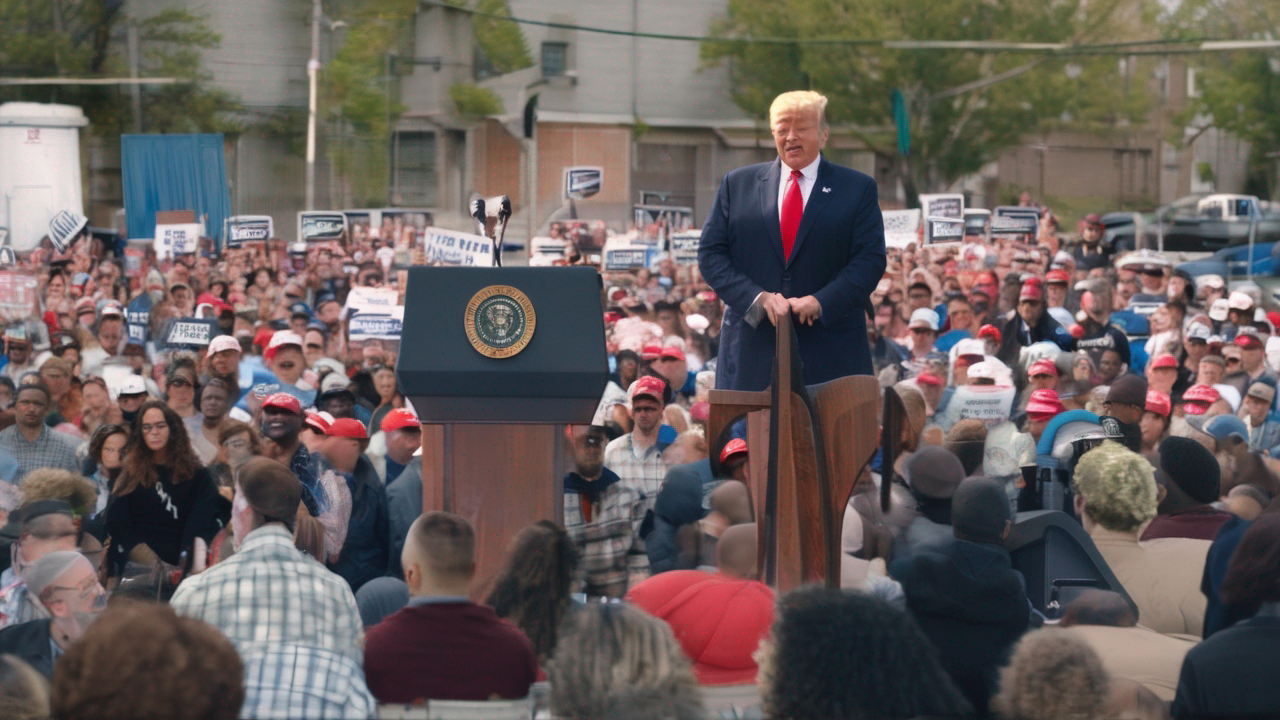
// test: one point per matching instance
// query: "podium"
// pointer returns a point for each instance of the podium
(496, 361)
(811, 447)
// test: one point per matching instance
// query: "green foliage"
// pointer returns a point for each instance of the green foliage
(83, 39)
(503, 42)
(950, 136)
(474, 101)
(1239, 91)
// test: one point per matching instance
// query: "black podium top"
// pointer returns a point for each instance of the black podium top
(503, 345)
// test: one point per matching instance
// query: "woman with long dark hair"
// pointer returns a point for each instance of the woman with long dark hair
(164, 499)
(533, 588)
(106, 458)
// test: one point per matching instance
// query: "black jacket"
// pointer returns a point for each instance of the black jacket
(31, 642)
(1012, 339)
(365, 553)
(973, 605)
(166, 517)
(679, 503)
(1232, 673)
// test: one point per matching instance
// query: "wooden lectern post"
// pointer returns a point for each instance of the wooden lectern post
(496, 362)
(809, 446)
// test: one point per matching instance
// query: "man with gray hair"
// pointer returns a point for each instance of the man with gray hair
(1115, 496)
(66, 588)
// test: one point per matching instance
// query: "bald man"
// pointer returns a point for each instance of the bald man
(736, 552)
(66, 586)
(442, 646)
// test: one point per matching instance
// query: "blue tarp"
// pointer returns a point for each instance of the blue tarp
(174, 172)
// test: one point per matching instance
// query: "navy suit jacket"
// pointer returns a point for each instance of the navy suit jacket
(838, 257)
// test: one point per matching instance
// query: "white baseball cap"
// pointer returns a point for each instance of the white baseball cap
(1239, 301)
(132, 385)
(221, 343)
(1198, 331)
(924, 318)
(1212, 281)
(971, 346)
(1218, 310)
(983, 370)
(284, 337)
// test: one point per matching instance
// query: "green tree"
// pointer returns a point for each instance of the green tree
(1239, 92)
(52, 38)
(952, 133)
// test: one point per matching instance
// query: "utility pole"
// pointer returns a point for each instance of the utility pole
(136, 89)
(313, 73)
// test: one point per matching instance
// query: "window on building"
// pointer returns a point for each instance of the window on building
(414, 179)
(555, 59)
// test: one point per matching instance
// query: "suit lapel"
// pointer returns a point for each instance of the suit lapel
(769, 203)
(817, 200)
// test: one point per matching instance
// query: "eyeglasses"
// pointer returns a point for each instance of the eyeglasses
(85, 588)
(154, 428)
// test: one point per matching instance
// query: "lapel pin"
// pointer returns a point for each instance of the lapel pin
(826, 189)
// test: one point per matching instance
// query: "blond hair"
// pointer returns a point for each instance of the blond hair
(1053, 673)
(799, 101)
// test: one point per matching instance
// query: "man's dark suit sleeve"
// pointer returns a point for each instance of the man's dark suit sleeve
(715, 262)
(850, 289)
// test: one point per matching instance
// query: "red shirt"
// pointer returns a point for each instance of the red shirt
(447, 651)
(1198, 524)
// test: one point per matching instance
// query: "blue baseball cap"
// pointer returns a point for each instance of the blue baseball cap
(1220, 427)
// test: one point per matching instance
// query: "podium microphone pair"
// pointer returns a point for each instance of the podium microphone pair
(491, 220)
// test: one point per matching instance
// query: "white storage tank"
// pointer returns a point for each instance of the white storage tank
(39, 168)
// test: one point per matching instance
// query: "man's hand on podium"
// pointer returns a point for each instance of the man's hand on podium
(775, 306)
(807, 309)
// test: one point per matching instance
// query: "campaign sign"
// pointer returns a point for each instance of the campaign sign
(582, 182)
(684, 247)
(190, 332)
(368, 326)
(179, 239)
(378, 301)
(988, 403)
(1014, 220)
(625, 259)
(944, 230)
(138, 317)
(321, 226)
(901, 227)
(446, 247)
(17, 294)
(242, 229)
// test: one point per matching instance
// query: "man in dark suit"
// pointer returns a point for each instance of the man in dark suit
(66, 586)
(798, 235)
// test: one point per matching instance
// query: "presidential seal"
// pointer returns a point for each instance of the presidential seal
(499, 321)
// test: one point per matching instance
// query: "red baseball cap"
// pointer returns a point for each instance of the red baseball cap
(283, 401)
(1197, 399)
(1031, 291)
(928, 378)
(651, 387)
(400, 418)
(736, 446)
(1164, 361)
(1044, 403)
(1058, 276)
(699, 412)
(1093, 219)
(989, 331)
(319, 421)
(1043, 366)
(651, 352)
(263, 336)
(1159, 403)
(718, 621)
(672, 352)
(347, 428)
(1248, 340)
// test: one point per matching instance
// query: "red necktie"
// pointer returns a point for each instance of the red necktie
(792, 209)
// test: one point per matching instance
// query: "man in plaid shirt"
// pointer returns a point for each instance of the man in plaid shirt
(603, 517)
(291, 619)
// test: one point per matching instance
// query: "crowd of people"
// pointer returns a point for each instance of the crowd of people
(235, 527)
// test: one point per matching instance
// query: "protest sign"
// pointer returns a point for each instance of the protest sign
(1009, 220)
(901, 227)
(17, 294)
(133, 259)
(321, 226)
(242, 229)
(138, 317)
(190, 332)
(370, 326)
(684, 247)
(177, 239)
(582, 181)
(446, 247)
(988, 403)
(624, 259)
(944, 218)
(377, 301)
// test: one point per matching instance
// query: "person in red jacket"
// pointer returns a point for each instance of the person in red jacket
(443, 646)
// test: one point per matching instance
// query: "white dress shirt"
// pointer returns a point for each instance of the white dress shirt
(808, 177)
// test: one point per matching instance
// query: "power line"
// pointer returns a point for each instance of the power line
(1203, 45)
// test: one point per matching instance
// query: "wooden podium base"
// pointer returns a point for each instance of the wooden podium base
(500, 477)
